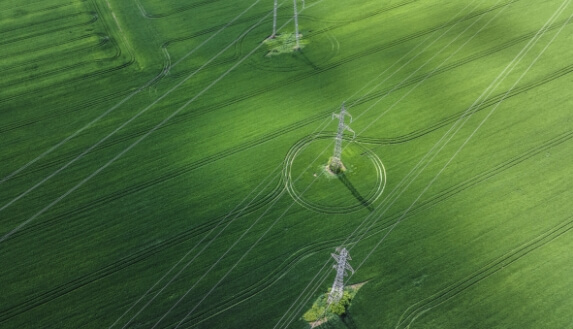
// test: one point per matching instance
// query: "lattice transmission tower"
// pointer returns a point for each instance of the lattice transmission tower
(335, 165)
(342, 265)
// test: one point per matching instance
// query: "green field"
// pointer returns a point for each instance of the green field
(159, 169)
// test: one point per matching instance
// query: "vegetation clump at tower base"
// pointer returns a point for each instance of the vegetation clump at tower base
(322, 312)
(335, 167)
(284, 43)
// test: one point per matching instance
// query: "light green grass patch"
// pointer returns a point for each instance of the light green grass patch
(322, 311)
(284, 43)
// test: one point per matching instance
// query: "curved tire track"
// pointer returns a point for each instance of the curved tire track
(270, 279)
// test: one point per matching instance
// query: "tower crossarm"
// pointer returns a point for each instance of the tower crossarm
(348, 267)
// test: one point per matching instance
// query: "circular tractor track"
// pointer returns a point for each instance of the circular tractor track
(298, 197)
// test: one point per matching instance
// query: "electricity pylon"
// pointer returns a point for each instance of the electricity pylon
(335, 164)
(297, 47)
(342, 265)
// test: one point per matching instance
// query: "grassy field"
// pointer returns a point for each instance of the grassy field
(159, 170)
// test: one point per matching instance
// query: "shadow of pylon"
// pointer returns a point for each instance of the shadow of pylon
(342, 177)
(348, 321)
(307, 60)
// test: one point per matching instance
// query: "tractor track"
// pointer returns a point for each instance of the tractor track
(76, 79)
(78, 106)
(93, 18)
(124, 262)
(261, 285)
(477, 179)
(153, 249)
(184, 169)
(307, 251)
(494, 266)
(302, 76)
(35, 23)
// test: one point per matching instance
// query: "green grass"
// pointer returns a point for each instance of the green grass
(486, 246)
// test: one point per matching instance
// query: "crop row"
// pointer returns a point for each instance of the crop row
(80, 77)
(45, 67)
(83, 42)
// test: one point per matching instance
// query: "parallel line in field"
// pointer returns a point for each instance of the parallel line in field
(261, 285)
(458, 188)
(122, 263)
(518, 58)
(484, 272)
(368, 140)
(149, 251)
(481, 177)
(41, 22)
(56, 71)
(96, 14)
(455, 128)
(93, 15)
(102, 41)
(84, 104)
(365, 99)
(166, 44)
(184, 169)
(307, 75)
(79, 78)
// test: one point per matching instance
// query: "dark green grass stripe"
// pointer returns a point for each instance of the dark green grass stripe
(82, 77)
(56, 71)
(93, 18)
(35, 22)
(55, 45)
(62, 57)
